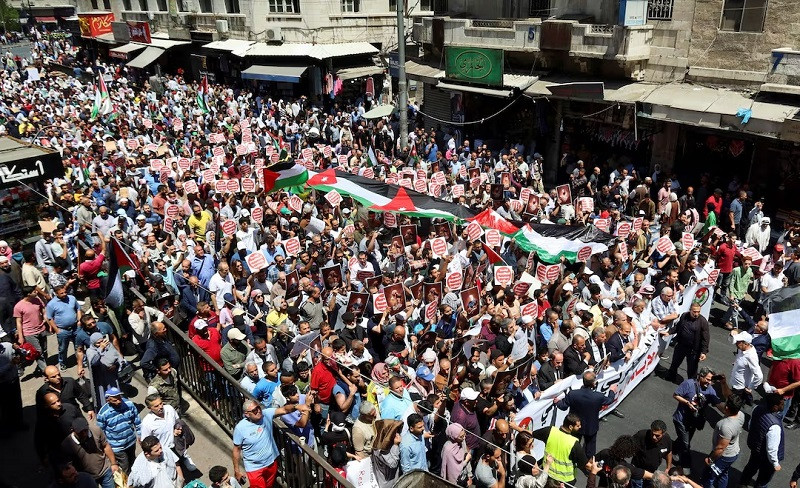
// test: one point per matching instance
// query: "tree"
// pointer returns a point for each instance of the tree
(9, 17)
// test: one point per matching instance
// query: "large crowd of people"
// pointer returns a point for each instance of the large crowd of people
(386, 386)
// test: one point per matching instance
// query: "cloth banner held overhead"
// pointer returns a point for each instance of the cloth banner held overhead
(543, 413)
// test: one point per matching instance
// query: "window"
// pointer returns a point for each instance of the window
(143, 5)
(393, 5)
(284, 6)
(539, 9)
(183, 6)
(206, 7)
(126, 4)
(425, 5)
(660, 9)
(232, 6)
(743, 15)
(350, 6)
(162, 5)
(107, 4)
(95, 5)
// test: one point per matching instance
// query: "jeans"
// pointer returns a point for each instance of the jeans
(106, 480)
(65, 336)
(39, 342)
(723, 465)
(683, 440)
(126, 457)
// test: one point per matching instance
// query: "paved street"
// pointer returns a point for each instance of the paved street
(22, 49)
(20, 467)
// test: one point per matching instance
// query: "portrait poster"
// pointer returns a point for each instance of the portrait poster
(471, 301)
(292, 284)
(357, 303)
(395, 298)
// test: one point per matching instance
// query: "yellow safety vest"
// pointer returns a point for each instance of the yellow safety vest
(559, 445)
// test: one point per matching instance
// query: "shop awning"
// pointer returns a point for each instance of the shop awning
(230, 45)
(286, 74)
(358, 72)
(146, 58)
(379, 111)
(127, 48)
(46, 20)
(301, 49)
(106, 38)
(502, 93)
(423, 72)
(166, 43)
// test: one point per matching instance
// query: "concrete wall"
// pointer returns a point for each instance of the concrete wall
(669, 49)
(727, 53)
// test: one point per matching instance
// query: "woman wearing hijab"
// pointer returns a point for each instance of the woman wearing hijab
(456, 456)
(104, 364)
(378, 388)
(386, 452)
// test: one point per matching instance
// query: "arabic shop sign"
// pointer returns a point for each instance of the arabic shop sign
(30, 170)
(95, 24)
(475, 65)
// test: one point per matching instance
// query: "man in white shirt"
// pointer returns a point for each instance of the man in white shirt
(746, 373)
(155, 467)
(361, 265)
(774, 279)
(220, 285)
(160, 422)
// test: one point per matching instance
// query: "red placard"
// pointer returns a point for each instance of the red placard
(307, 153)
(334, 198)
(687, 239)
(493, 237)
(389, 219)
(232, 186)
(184, 163)
(584, 253)
(602, 224)
(379, 302)
(156, 164)
(221, 186)
(163, 175)
(132, 144)
(218, 151)
(173, 211)
(139, 32)
(637, 223)
(369, 173)
(530, 309)
(586, 204)
(421, 174)
(439, 178)
(248, 185)
(229, 227)
(503, 275)
(257, 215)
(623, 250)
(474, 231)
(623, 230)
(190, 186)
(292, 246)
(457, 190)
(256, 261)
(713, 275)
(169, 224)
(208, 175)
(246, 170)
(349, 229)
(548, 273)
(455, 280)
(406, 183)
(295, 203)
(342, 159)
(439, 246)
(421, 185)
(664, 245)
(430, 310)
(327, 151)
(274, 157)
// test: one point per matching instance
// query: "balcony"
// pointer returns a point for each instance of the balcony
(588, 40)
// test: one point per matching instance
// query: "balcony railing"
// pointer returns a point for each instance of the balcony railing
(520, 35)
(611, 41)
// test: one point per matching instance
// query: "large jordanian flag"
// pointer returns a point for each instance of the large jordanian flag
(783, 309)
(551, 242)
(119, 262)
(383, 197)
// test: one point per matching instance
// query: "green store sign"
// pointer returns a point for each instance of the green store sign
(475, 65)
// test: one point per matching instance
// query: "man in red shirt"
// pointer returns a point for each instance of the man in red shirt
(90, 267)
(724, 256)
(160, 200)
(784, 375)
(323, 379)
(716, 200)
(210, 341)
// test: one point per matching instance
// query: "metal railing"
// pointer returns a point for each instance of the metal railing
(221, 396)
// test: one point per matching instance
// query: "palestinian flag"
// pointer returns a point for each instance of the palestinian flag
(102, 101)
(284, 175)
(493, 220)
(119, 262)
(492, 255)
(202, 95)
(552, 242)
(383, 197)
(783, 309)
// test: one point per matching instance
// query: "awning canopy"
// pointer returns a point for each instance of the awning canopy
(286, 74)
(127, 48)
(229, 45)
(107, 38)
(306, 49)
(358, 72)
(146, 58)
(46, 20)
(166, 43)
(423, 72)
(379, 111)
(502, 93)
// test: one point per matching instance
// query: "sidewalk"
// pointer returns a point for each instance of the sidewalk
(20, 467)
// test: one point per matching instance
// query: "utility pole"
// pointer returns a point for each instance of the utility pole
(401, 69)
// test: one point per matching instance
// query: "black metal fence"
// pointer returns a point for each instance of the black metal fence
(221, 396)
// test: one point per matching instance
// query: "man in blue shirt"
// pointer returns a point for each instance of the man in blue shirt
(63, 312)
(736, 211)
(254, 444)
(397, 402)
(203, 266)
(693, 396)
(412, 446)
(298, 421)
(90, 325)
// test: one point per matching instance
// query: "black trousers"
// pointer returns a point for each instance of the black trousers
(758, 463)
(589, 444)
(692, 361)
(10, 405)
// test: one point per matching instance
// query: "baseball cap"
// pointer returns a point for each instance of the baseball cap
(256, 293)
(647, 290)
(200, 324)
(606, 303)
(228, 297)
(113, 391)
(241, 245)
(140, 217)
(765, 220)
(642, 264)
(568, 287)
(582, 306)
(425, 373)
(236, 335)
(742, 337)
(469, 394)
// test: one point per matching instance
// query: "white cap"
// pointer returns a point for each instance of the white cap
(236, 335)
(606, 303)
(742, 337)
(595, 279)
(568, 287)
(527, 319)
(582, 306)
(200, 324)
(241, 245)
(469, 394)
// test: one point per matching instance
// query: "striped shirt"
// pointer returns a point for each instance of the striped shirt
(120, 425)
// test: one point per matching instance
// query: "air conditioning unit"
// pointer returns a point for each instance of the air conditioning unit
(274, 34)
(222, 26)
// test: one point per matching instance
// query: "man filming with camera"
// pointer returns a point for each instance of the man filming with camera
(693, 396)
